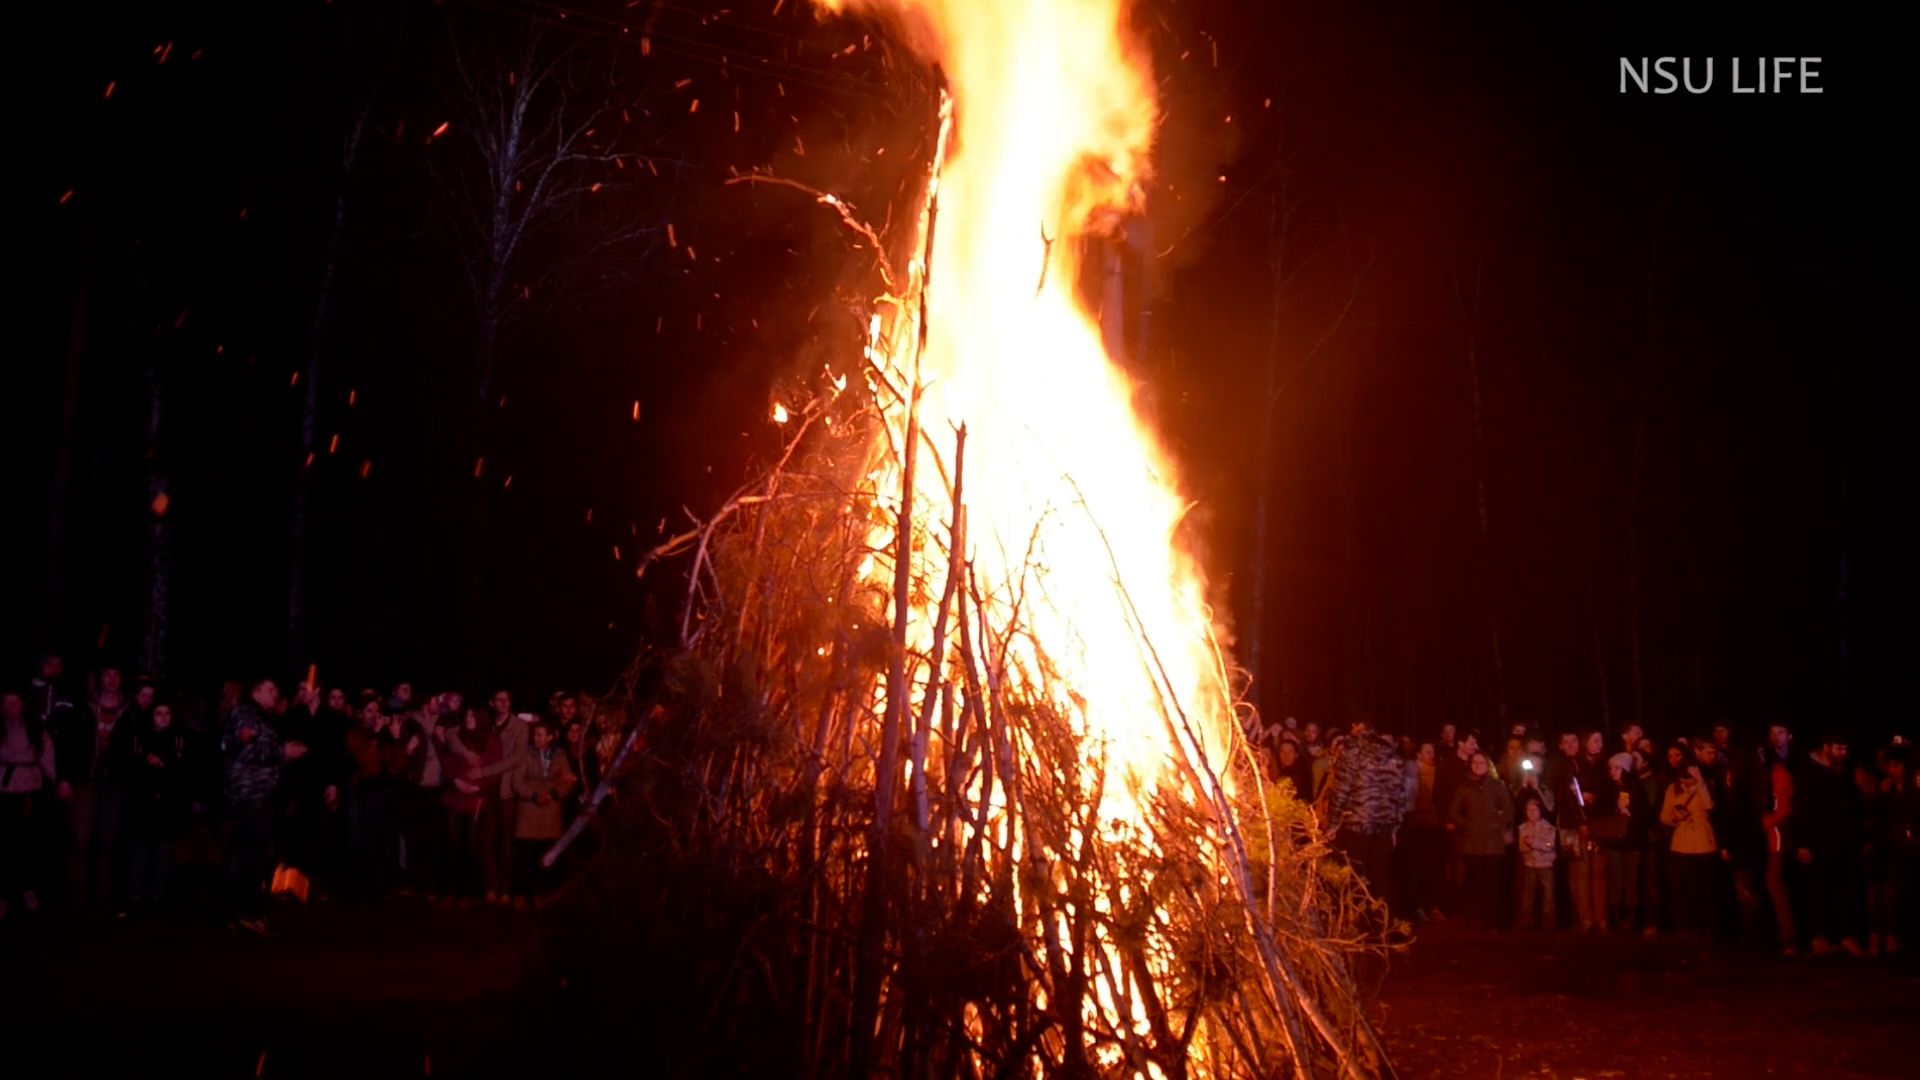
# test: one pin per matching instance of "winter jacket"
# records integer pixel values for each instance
(252, 753)
(1424, 814)
(1828, 809)
(1539, 841)
(323, 732)
(1482, 812)
(379, 759)
(158, 796)
(1367, 789)
(458, 768)
(1562, 784)
(1687, 809)
(1449, 773)
(1641, 816)
(539, 773)
(26, 762)
(515, 739)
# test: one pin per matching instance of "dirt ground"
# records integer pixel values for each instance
(1567, 1006)
(418, 990)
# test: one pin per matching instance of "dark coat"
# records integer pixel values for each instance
(1829, 812)
(1482, 814)
(159, 796)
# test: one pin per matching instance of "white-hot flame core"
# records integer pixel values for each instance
(1067, 489)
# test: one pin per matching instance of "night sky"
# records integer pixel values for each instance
(1703, 285)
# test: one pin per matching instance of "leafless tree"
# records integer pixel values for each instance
(362, 100)
(1283, 370)
(550, 162)
(1467, 299)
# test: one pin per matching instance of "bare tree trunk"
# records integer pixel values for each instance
(1470, 315)
(53, 576)
(297, 615)
(1599, 662)
(1635, 483)
(153, 645)
(1279, 219)
(1353, 610)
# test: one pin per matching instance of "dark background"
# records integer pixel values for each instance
(1702, 285)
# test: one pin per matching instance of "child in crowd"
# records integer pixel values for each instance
(1539, 841)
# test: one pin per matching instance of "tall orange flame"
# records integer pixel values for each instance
(1067, 490)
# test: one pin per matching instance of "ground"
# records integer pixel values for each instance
(417, 989)
(1518, 1006)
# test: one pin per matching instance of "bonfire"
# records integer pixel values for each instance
(949, 749)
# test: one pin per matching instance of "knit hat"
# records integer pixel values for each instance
(1622, 761)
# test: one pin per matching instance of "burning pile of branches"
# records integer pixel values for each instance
(862, 848)
(944, 775)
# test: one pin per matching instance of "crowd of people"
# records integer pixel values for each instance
(1810, 849)
(108, 795)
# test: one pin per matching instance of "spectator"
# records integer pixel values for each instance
(1743, 840)
(1625, 843)
(538, 783)
(253, 754)
(472, 748)
(400, 702)
(26, 781)
(1901, 835)
(1297, 768)
(1694, 850)
(158, 797)
(422, 823)
(1507, 769)
(1481, 816)
(498, 812)
(1631, 736)
(379, 769)
(1829, 814)
(1777, 824)
(1886, 831)
(1654, 872)
(1426, 836)
(1367, 797)
(309, 791)
(1450, 772)
(1600, 801)
(1569, 802)
(1539, 841)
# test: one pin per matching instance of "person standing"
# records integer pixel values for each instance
(1426, 839)
(498, 812)
(379, 772)
(1539, 843)
(1625, 847)
(1367, 798)
(425, 739)
(538, 784)
(253, 754)
(1481, 817)
(1601, 802)
(1568, 800)
(1692, 852)
(1450, 772)
(309, 791)
(1830, 813)
(472, 748)
(157, 807)
(26, 782)
(1777, 825)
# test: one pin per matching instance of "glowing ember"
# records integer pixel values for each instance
(1066, 488)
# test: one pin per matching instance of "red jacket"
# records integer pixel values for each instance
(1774, 821)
